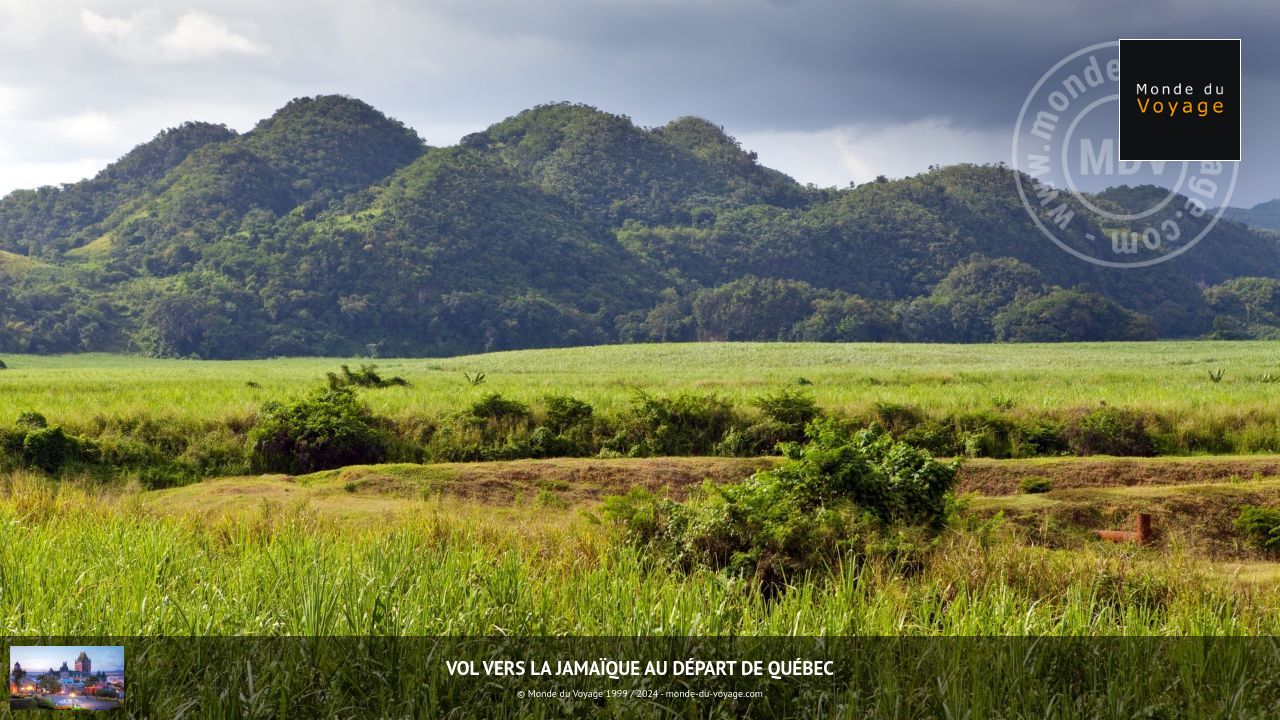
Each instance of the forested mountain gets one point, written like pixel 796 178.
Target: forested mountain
pixel 331 229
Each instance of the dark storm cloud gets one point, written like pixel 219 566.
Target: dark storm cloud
pixel 89 79
pixel 810 65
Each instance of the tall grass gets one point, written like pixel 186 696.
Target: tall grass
pixel 75 561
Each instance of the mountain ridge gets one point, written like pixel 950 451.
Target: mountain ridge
pixel 330 228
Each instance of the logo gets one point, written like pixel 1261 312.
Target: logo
pixel 1101 209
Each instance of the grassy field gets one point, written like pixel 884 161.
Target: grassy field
pixel 519 547
pixel 314 557
pixel 1171 377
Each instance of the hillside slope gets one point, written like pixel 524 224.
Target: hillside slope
pixel 330 228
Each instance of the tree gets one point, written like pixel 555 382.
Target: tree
pixel 1071 315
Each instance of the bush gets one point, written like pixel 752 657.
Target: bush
pixel 495 407
pixel 1043 436
pixel 328 429
pixel 786 413
pixel 789 407
pixel 366 377
pixel 684 424
pixel 32 420
pixel 565 413
pixel 3 366
pixel 34 443
pixel 761 438
pixel 49 448
pixel 840 492
pixel 1035 484
pixel 898 417
pixel 1260 527
pixel 1109 431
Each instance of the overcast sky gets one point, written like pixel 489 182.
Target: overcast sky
pixel 828 91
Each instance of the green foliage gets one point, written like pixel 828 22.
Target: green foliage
pixel 788 406
pixel 683 424
pixel 838 493
pixel 565 413
pixel 324 430
pixel 784 415
pixel 31 420
pixel 1216 375
pixel 329 229
pixel 366 377
pixel 1071 316
pixel 1109 431
pixel 495 407
pixel 1035 484
pixel 33 443
pixel 47 448
pixel 1261 527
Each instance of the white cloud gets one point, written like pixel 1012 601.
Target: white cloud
pixel 12 100
pixel 112 29
pixel 859 153
pixel 142 36
pixel 90 128
pixel 14 175
pixel 198 35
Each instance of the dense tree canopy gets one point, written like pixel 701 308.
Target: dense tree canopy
pixel 332 229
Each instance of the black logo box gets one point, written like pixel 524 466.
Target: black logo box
pixel 1180 62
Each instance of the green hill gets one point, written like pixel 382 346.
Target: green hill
pixel 330 228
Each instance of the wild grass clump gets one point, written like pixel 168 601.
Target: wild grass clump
pixel 327 429
pixel 838 494
pixel 1035 485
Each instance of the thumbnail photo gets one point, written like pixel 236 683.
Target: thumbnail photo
pixel 66 677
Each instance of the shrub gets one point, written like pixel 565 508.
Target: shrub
pixel 1043 436
pixel 495 407
pixel 328 429
pixel 837 493
pixel 788 406
pixel 3 366
pixel 1260 527
pixel 1109 431
pixel 785 415
pixel 549 499
pixel 565 413
pixel 760 438
pixel 366 376
pixel 898 417
pixel 32 420
pixel 49 449
pixel 1035 484
pixel 684 424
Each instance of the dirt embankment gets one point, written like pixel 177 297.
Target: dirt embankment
pixel 1001 477
pixel 576 480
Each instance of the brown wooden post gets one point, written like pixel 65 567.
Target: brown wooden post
pixel 1144 528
